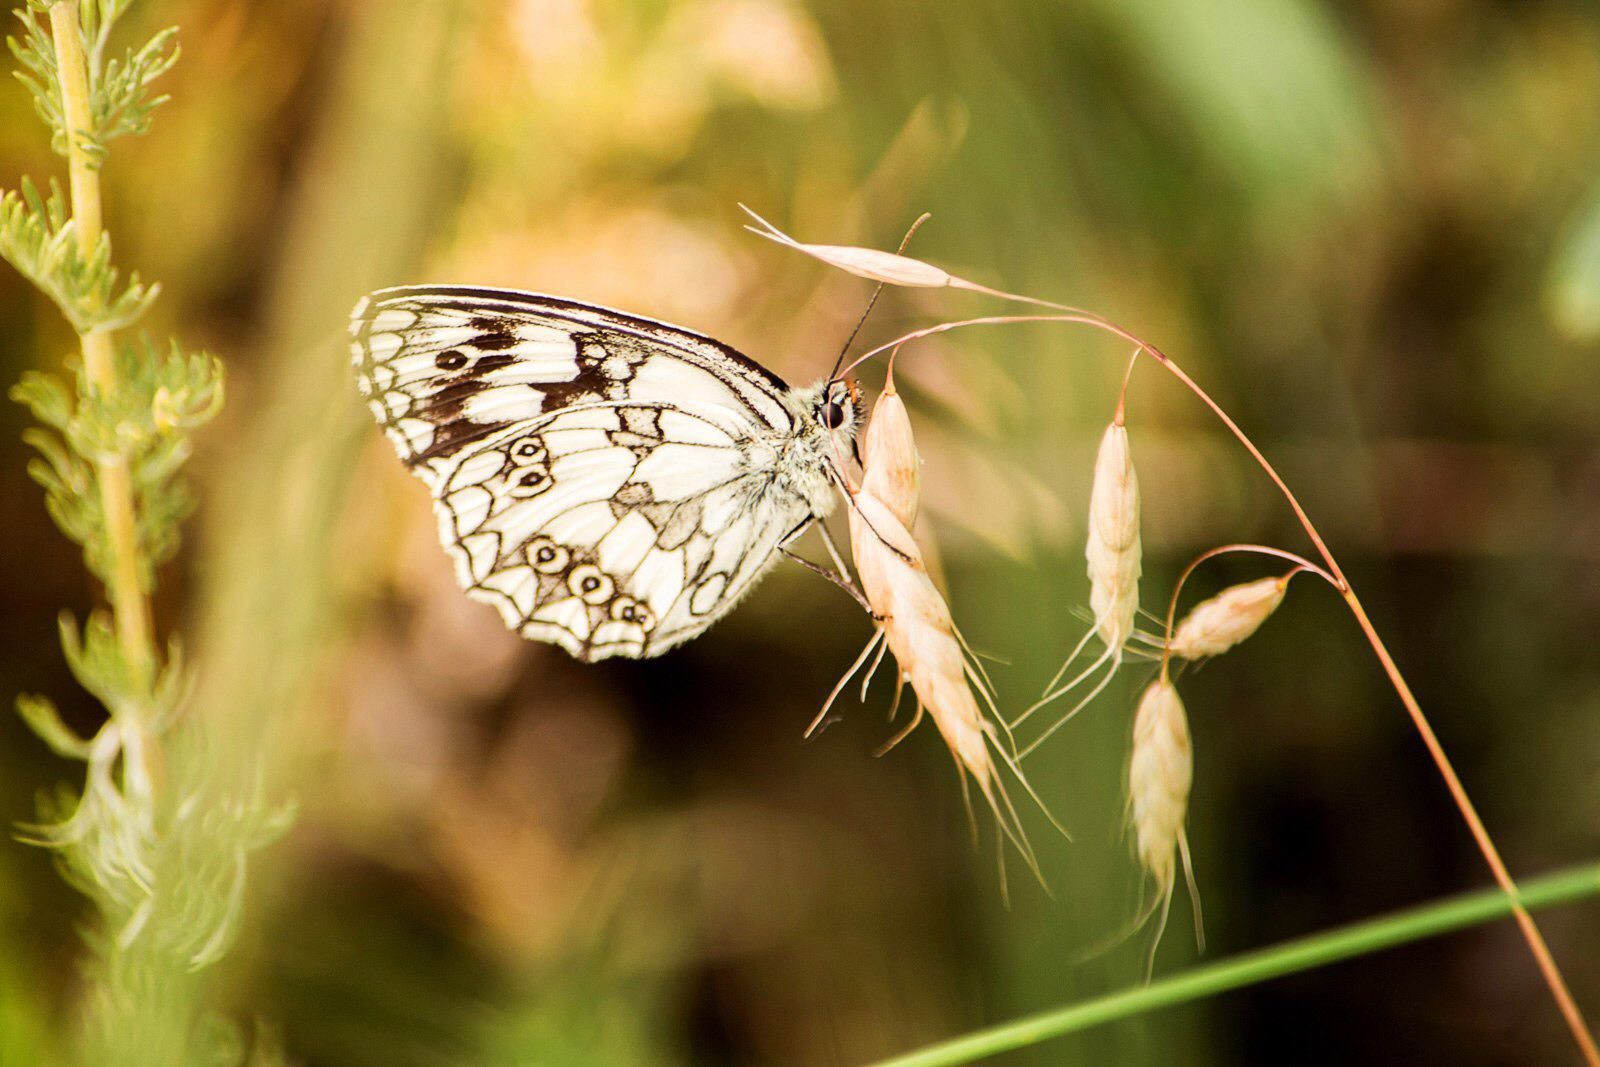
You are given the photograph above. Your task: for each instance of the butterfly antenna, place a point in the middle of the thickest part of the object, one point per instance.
(862, 321)
(872, 303)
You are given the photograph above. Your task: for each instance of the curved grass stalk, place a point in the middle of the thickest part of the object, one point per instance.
(1347, 942)
(1551, 971)
(1546, 963)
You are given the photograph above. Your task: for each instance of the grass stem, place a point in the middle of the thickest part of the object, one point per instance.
(1357, 939)
(1570, 1012)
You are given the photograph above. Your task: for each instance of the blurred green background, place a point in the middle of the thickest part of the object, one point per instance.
(1372, 230)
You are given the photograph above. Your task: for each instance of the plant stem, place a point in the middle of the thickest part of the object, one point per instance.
(1469, 812)
(124, 588)
(1358, 939)
(1530, 929)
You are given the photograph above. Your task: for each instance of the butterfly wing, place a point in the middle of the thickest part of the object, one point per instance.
(605, 481)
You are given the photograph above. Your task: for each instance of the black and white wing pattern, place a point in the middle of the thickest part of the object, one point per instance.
(611, 484)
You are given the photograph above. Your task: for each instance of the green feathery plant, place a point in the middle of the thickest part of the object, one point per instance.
(156, 843)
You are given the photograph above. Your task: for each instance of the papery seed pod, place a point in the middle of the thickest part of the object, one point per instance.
(1160, 774)
(1113, 548)
(893, 470)
(1217, 624)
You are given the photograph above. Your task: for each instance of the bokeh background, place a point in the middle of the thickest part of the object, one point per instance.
(1373, 230)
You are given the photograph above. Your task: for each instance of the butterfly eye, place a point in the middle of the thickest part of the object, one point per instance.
(832, 415)
(528, 450)
(547, 557)
(590, 584)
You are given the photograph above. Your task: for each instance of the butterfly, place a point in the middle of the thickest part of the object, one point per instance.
(610, 483)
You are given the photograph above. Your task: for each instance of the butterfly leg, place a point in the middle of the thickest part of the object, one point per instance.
(837, 579)
(840, 577)
(833, 549)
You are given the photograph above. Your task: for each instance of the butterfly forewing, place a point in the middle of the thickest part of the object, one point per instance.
(605, 481)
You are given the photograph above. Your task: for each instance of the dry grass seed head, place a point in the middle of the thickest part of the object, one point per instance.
(919, 630)
(893, 469)
(1160, 774)
(917, 625)
(870, 263)
(1217, 624)
(1113, 547)
(1112, 550)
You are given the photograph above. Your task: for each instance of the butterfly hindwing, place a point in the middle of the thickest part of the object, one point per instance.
(605, 482)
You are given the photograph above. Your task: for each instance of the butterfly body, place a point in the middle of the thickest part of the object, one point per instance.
(610, 483)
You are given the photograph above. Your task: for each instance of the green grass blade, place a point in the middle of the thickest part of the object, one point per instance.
(1343, 943)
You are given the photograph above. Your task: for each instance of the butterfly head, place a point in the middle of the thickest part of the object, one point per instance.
(837, 406)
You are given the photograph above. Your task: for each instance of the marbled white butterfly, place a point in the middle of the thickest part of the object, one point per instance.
(610, 483)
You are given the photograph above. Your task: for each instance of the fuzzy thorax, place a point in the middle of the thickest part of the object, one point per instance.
(806, 458)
